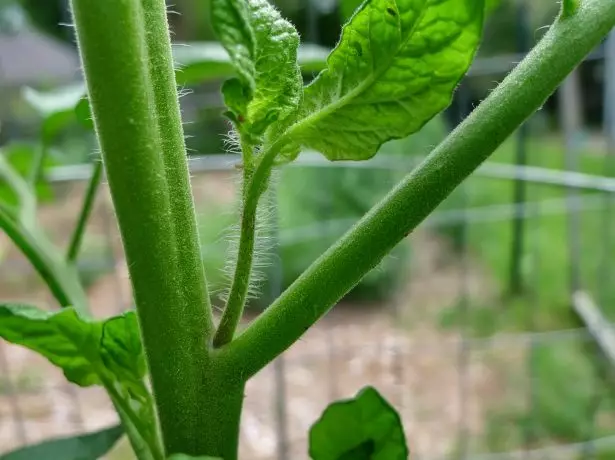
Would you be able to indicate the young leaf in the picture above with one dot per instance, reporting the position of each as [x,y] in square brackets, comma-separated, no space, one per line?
[395,67]
[363,428]
[90,446]
[231,23]
[263,48]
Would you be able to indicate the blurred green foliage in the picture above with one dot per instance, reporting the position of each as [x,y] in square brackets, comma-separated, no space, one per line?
[21,156]
[570,396]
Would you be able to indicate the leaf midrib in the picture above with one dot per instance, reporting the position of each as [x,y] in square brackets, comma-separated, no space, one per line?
[366,84]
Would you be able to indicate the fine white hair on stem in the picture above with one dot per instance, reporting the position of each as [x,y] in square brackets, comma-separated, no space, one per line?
[263,244]
[232,143]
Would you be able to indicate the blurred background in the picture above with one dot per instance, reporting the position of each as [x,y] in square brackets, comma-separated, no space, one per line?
[489,328]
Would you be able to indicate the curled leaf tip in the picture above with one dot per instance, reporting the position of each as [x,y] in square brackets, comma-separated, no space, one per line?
[569,7]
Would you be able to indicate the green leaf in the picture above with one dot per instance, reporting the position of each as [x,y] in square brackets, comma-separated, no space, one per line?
[395,68]
[90,446]
[90,352]
[363,428]
[64,338]
[348,7]
[56,107]
[231,24]
[236,98]
[263,49]
[121,349]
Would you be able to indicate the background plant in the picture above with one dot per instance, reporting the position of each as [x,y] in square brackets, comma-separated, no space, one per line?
[144,158]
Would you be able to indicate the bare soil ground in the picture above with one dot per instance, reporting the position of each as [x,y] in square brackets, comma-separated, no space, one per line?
[397,348]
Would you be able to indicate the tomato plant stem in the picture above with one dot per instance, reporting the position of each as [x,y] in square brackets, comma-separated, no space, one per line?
[126,55]
[331,276]
[245,255]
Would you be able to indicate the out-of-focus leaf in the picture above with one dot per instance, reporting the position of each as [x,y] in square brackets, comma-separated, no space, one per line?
[195,62]
[200,62]
[312,58]
[107,353]
[83,113]
[232,25]
[491,6]
[366,427]
[56,107]
[90,446]
[20,156]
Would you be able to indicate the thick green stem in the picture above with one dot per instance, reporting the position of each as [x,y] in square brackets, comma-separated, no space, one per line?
[167,110]
[126,55]
[86,211]
[523,92]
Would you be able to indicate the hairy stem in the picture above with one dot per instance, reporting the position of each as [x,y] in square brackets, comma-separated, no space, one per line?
[522,92]
[245,256]
[126,56]
[86,211]
[174,157]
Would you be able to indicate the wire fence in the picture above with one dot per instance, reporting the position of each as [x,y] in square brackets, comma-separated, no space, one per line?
[473,338]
